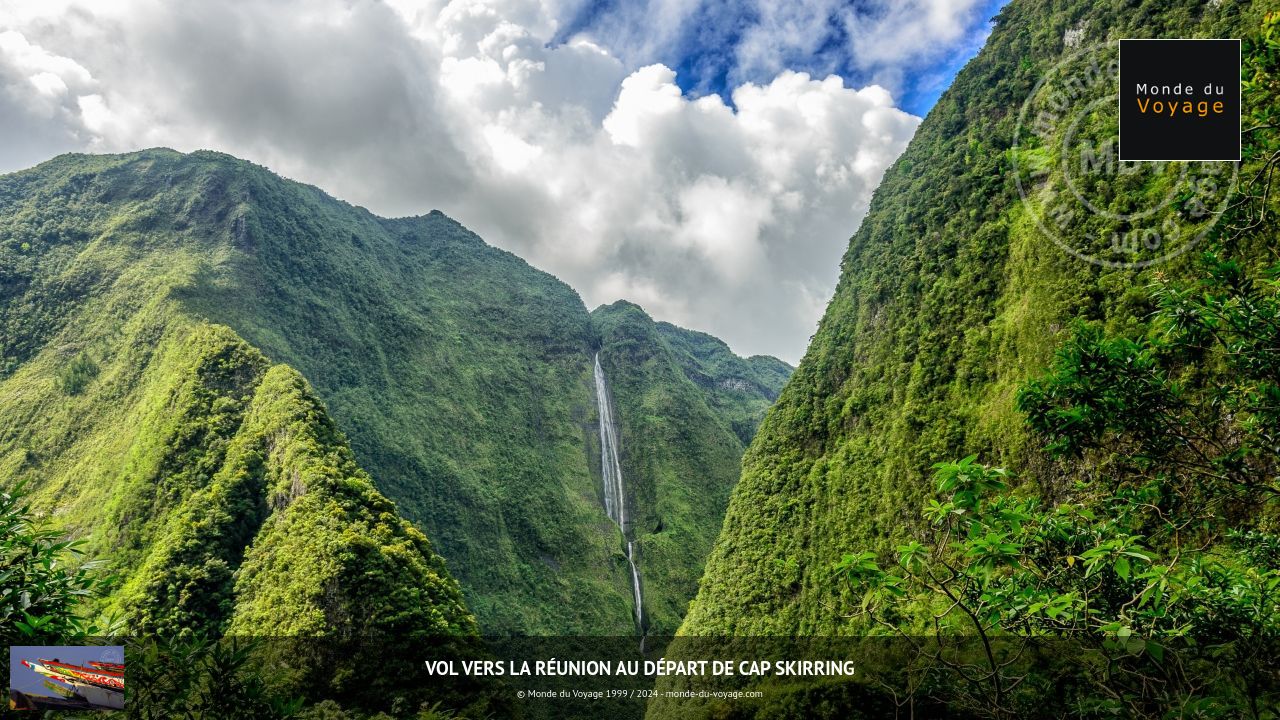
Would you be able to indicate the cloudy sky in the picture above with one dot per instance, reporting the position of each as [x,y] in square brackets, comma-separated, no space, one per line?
[707,159]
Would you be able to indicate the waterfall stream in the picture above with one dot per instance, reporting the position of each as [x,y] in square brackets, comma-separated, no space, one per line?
[615,497]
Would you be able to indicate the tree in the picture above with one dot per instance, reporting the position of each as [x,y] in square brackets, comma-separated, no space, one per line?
[1155,565]
[1142,579]
[43,579]
[1019,593]
[194,677]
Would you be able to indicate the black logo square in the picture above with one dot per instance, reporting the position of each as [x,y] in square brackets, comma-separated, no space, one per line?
[1180,100]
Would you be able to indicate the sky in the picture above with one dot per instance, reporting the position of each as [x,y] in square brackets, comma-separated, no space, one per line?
[707,159]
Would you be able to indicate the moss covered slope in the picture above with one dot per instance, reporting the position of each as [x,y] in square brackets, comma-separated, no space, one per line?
[140,297]
[949,298]
[221,488]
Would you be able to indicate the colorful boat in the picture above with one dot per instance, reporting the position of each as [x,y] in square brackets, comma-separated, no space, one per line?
[100,684]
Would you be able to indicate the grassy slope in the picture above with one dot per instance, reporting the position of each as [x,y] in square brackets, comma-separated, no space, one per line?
[460,374]
[948,299]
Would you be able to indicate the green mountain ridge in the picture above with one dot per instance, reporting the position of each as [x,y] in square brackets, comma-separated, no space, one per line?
[140,297]
[949,299]
[230,463]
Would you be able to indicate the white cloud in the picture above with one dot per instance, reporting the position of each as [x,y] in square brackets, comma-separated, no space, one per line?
[40,92]
[884,40]
[725,219]
[896,31]
[904,35]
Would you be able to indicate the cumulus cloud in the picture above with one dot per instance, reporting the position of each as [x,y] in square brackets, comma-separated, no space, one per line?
[42,99]
[889,42]
[727,217]
[906,35]
[873,35]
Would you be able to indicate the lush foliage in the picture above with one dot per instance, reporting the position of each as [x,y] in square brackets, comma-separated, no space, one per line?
[738,389]
[288,537]
[950,298]
[196,678]
[683,401]
[77,374]
[43,579]
[282,534]
[1160,565]
[1133,571]
[1142,618]
[140,297]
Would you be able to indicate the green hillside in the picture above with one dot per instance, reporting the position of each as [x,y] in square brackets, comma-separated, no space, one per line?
[738,389]
[950,299]
[145,302]
[221,482]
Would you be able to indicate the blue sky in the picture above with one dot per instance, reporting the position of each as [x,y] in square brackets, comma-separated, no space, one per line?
[703,51]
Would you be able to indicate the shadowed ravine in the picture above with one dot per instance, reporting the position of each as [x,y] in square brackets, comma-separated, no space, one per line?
[615,497]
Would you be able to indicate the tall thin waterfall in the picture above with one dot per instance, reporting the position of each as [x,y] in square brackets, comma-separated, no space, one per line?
[615,497]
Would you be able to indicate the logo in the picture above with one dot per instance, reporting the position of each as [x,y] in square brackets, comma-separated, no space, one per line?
[1180,100]
[1079,192]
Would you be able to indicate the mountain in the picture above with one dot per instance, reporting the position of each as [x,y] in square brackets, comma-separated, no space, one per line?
[684,404]
[950,298]
[222,379]
[739,390]
[222,485]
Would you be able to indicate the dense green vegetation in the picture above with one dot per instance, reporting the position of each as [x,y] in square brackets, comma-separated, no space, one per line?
[288,537]
[1162,563]
[950,298]
[739,390]
[223,453]
[156,312]
[45,580]
[1117,557]
[49,588]
[193,677]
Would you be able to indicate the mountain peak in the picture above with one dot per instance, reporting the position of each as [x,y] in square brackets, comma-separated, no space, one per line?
[458,376]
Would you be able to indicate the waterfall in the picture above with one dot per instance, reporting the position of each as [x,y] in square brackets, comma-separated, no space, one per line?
[615,497]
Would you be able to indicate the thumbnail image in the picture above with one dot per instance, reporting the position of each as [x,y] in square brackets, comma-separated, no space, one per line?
[55,677]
